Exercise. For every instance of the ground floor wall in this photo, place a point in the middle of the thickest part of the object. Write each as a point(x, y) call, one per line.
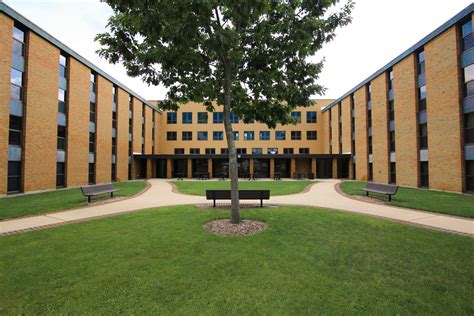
point(202, 167)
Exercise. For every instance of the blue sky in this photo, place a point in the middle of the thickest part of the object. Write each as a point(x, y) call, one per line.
point(381, 30)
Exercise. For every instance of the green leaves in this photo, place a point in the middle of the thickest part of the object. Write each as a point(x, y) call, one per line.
point(264, 44)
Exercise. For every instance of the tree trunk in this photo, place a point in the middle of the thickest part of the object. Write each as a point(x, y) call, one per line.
point(233, 166)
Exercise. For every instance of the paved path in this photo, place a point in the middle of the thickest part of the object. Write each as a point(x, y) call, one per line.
point(321, 194)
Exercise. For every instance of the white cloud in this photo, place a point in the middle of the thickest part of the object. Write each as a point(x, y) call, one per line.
point(380, 31)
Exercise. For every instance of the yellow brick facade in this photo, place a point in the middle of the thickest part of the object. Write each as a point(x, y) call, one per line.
point(104, 131)
point(444, 113)
point(122, 135)
point(41, 114)
point(406, 136)
point(361, 150)
point(78, 124)
point(381, 158)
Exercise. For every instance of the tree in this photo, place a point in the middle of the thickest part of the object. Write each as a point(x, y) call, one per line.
point(249, 56)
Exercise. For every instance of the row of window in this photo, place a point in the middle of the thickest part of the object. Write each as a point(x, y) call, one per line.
point(114, 134)
point(242, 151)
point(468, 115)
point(265, 135)
point(15, 133)
point(92, 128)
point(218, 117)
point(62, 123)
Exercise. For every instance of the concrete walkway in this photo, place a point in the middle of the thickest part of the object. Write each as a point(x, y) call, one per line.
point(321, 194)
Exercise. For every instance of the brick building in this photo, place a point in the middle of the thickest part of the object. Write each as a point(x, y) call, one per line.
point(66, 123)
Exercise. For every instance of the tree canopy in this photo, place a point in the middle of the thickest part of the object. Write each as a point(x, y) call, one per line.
point(187, 45)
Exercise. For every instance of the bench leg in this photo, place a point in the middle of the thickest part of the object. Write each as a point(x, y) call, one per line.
point(214, 203)
point(261, 203)
point(111, 194)
point(366, 193)
point(89, 199)
point(389, 198)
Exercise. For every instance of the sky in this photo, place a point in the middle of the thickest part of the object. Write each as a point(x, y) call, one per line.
point(380, 31)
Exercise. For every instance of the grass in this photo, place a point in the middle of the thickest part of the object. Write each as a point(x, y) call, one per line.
point(275, 187)
point(308, 261)
point(426, 200)
point(38, 203)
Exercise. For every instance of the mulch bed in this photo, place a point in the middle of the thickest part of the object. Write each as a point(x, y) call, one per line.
point(223, 227)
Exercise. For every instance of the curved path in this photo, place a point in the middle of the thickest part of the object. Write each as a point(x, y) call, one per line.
point(322, 194)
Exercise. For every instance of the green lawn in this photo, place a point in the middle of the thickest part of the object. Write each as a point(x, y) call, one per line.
point(427, 200)
point(275, 187)
point(308, 261)
point(38, 203)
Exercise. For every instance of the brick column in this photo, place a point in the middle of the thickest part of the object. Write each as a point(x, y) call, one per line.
point(169, 168)
point(292, 167)
point(251, 167)
point(190, 168)
point(313, 167)
point(272, 167)
point(209, 167)
point(334, 168)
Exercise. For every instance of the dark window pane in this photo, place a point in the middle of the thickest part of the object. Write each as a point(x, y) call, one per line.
point(15, 123)
point(469, 89)
point(14, 138)
point(61, 143)
point(18, 34)
point(13, 184)
point(468, 42)
point(61, 107)
point(60, 168)
point(14, 168)
point(62, 71)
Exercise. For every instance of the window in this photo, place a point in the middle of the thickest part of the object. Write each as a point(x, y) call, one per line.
point(217, 135)
point(93, 82)
point(311, 135)
point(171, 118)
point(62, 66)
point(61, 137)
point(295, 135)
point(210, 151)
point(179, 151)
point(18, 42)
point(60, 174)
point(469, 128)
point(257, 151)
point(91, 173)
point(171, 136)
point(470, 175)
point(194, 151)
point(241, 151)
point(311, 117)
point(249, 135)
point(392, 141)
point(265, 135)
point(424, 175)
point(390, 80)
point(236, 135)
point(370, 145)
point(370, 176)
point(202, 118)
point(14, 176)
point(272, 151)
point(187, 135)
point(15, 131)
point(288, 151)
point(423, 136)
point(296, 116)
point(280, 135)
point(217, 117)
point(393, 172)
point(224, 151)
point(304, 151)
point(202, 135)
point(467, 38)
point(187, 117)
point(391, 110)
point(61, 101)
point(234, 119)
point(469, 81)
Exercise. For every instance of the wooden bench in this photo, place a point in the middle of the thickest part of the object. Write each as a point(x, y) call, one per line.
point(387, 189)
point(98, 189)
point(243, 195)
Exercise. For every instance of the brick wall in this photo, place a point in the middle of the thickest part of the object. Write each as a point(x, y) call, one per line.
point(361, 150)
point(122, 135)
point(41, 114)
point(380, 141)
point(444, 112)
point(406, 137)
point(346, 125)
point(104, 130)
point(137, 126)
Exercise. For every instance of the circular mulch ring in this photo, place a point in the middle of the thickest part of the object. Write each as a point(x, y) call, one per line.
point(223, 227)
